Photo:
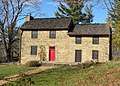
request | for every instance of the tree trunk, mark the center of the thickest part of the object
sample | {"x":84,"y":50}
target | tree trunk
{"x":9,"y":56}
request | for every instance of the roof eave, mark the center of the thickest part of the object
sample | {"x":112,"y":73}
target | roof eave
{"x":73,"y":34}
{"x":63,"y":28}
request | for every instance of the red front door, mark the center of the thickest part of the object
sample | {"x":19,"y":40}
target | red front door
{"x":51,"y":53}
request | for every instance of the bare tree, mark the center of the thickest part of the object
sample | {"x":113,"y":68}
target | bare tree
{"x":11,"y":11}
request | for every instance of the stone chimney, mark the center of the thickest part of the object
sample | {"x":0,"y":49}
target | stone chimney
{"x":29,"y":18}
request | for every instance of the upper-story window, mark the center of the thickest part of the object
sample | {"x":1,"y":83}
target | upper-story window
{"x":95,"y":54}
{"x":78,"y":40}
{"x":33,"y":50}
{"x":95,"y":40}
{"x":52,"y":34}
{"x":34,"y":34}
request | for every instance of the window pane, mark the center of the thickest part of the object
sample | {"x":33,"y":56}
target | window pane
{"x":33,"y":50}
{"x":95,"y":40}
{"x":78,"y":40}
{"x":52,"y":34}
{"x":94,"y":54}
{"x":34,"y":34}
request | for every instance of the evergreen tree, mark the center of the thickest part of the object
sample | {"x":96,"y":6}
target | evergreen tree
{"x":114,"y":14}
{"x":89,"y":16}
{"x":116,"y":35}
{"x":73,"y":9}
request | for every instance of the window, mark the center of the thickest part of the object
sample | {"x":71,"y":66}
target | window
{"x":33,"y":50}
{"x":52,"y":34}
{"x":78,"y":40}
{"x":78,"y":55}
{"x":96,"y":40}
{"x":34,"y":34}
{"x":94,"y":54}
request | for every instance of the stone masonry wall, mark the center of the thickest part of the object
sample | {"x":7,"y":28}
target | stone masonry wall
{"x":64,"y":45}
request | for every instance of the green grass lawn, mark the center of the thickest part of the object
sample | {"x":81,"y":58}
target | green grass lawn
{"x":13,"y":69}
{"x":102,"y":75}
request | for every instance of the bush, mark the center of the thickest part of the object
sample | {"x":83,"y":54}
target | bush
{"x":33,"y":64}
{"x":88,"y":64}
{"x":116,"y":58}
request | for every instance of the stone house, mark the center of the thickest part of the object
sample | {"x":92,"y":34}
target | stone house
{"x":56,"y":40}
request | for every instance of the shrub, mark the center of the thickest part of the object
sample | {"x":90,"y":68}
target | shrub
{"x":33,"y":64}
{"x":88,"y":64}
{"x":116,"y":58}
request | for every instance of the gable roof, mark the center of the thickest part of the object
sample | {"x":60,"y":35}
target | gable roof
{"x":90,"y":29}
{"x":64,"y":24}
{"x":47,"y":23}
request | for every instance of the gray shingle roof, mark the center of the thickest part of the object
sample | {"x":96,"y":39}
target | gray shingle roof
{"x":47,"y":23}
{"x":64,"y":23}
{"x":90,"y":29}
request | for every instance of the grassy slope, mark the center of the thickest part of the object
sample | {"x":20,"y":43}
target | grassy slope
{"x":104,"y":74}
{"x":12,"y":70}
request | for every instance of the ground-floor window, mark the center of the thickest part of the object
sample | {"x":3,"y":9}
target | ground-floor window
{"x":33,"y":50}
{"x":78,"y":55}
{"x":95,"y":54}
